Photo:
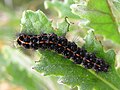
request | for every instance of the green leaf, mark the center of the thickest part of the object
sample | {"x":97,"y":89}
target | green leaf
{"x":63,"y":8}
{"x":117,"y":4}
{"x":71,"y":74}
{"x":100,"y":15}
{"x":2,"y":69}
{"x":75,"y":75}
{"x":118,"y":63}
{"x":18,"y":70}
{"x":36,"y":23}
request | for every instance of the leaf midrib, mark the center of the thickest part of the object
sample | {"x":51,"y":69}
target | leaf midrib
{"x":105,"y":81}
{"x":102,"y":79}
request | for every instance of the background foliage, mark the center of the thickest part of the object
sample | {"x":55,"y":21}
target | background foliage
{"x":102,"y":16}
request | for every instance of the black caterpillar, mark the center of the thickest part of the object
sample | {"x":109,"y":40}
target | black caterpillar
{"x":62,"y":46}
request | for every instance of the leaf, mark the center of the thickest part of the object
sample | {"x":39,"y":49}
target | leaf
{"x":18,"y":70}
{"x":37,"y":22}
{"x":2,"y":69}
{"x":116,"y":10}
{"x":75,"y":75}
{"x":100,"y":16}
{"x":71,"y":74}
{"x":117,"y":4}
{"x":63,"y":8}
{"x":118,"y":63}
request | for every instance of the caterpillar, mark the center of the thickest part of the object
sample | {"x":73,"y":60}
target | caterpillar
{"x":62,"y":46}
